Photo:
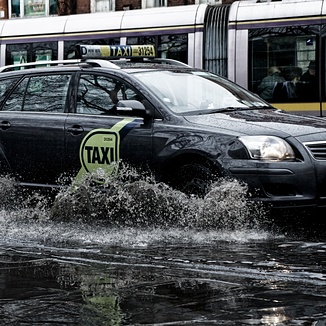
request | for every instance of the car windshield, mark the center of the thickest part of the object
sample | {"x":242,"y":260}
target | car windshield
{"x":197,"y":92}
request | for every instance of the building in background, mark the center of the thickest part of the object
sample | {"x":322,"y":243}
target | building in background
{"x":31,"y":8}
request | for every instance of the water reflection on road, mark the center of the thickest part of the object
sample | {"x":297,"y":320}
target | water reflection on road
{"x":83,"y":272}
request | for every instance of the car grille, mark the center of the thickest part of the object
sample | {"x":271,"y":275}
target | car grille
{"x":317,"y":149}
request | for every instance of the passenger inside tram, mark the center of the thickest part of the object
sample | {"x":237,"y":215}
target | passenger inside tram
{"x":291,"y":87}
{"x":284,"y":84}
{"x":267,"y":85}
{"x":309,"y":83}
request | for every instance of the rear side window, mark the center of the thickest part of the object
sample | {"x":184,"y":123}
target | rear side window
{"x":5,"y":87}
{"x":40,"y":94}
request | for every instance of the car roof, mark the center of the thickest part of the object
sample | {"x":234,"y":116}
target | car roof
{"x":128,"y":68}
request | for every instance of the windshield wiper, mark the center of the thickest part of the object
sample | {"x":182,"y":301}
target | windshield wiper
{"x":221,"y":110}
{"x":233,"y":108}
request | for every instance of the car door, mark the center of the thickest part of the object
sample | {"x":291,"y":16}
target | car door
{"x":32,"y":123}
{"x":96,"y":137}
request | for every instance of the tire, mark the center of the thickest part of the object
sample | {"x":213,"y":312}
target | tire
{"x":193,"y":179}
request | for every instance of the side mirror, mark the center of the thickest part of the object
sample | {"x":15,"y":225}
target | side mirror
{"x":131,"y":107}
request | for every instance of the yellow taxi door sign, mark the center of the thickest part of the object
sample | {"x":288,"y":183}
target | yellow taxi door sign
{"x":100,"y":148}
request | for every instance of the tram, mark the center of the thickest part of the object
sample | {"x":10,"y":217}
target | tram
{"x":178,"y":32}
{"x":266,"y":46}
{"x":282,"y":42}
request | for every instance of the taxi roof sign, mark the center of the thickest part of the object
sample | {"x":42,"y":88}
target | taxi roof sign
{"x":114,"y":51}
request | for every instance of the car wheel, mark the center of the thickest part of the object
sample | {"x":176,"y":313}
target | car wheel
{"x":193,"y":179}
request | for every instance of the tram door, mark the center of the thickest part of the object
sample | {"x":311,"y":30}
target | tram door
{"x":285,"y":68}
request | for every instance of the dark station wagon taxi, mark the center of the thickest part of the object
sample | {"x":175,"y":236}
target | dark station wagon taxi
{"x":188,"y":126}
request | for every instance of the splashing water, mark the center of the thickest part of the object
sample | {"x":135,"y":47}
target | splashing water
{"x":127,"y":202}
{"x":7,"y":192}
{"x":132,"y":198}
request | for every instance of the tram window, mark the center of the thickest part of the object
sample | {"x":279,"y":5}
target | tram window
{"x":18,"y":57}
{"x":29,"y":52}
{"x":142,"y":40}
{"x":280,"y":60}
{"x":43,"y":55}
{"x":70,"y":46}
{"x":168,"y":46}
{"x":174,"y":47}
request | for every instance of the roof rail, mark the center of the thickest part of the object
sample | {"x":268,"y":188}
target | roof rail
{"x":51,"y":63}
{"x":100,"y":63}
{"x":38,"y":63}
{"x":168,"y":61}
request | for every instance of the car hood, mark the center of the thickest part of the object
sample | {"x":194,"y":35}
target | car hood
{"x":263,"y":121}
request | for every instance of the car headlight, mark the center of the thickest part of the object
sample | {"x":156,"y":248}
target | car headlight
{"x":267,"y":148}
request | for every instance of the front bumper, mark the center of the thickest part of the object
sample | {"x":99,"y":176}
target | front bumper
{"x":284,"y":184}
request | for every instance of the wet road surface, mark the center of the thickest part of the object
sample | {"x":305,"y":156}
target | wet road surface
{"x":81,"y":271}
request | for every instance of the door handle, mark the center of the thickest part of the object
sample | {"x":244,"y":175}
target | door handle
{"x":5,"y":125}
{"x":75,"y":130}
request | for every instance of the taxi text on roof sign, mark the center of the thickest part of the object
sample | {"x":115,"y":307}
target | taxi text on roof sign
{"x":115,"y":51}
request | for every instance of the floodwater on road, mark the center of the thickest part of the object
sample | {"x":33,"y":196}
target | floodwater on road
{"x":146,"y":255}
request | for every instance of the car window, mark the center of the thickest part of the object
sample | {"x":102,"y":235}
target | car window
{"x":5,"y":87}
{"x":197,"y":92}
{"x":99,"y":94}
{"x":16,"y":99}
{"x":40,"y":93}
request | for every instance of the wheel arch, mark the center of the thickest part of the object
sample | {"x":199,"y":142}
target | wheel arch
{"x":178,"y":161}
